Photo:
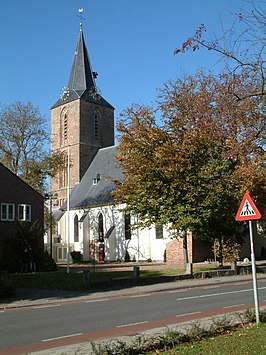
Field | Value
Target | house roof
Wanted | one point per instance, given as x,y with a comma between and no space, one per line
81,83
16,178
96,185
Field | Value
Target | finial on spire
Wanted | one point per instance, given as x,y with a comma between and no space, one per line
81,18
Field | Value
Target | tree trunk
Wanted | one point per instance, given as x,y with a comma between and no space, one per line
220,256
185,251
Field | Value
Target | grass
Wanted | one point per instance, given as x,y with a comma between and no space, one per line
247,340
58,280
221,336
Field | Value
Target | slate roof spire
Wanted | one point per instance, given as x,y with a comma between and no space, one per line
81,75
81,82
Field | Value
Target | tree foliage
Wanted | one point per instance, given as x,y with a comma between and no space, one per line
242,46
23,142
192,168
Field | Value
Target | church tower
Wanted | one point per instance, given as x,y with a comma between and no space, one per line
82,121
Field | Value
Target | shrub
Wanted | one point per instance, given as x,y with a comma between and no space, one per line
47,263
127,256
76,256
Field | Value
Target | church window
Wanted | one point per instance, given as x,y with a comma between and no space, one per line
127,226
65,126
63,178
96,125
100,227
159,231
76,229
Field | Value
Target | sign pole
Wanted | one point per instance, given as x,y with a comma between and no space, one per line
247,212
254,275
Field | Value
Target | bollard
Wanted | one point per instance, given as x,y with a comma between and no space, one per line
234,267
189,269
86,278
135,272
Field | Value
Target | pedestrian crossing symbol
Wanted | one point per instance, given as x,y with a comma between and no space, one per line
247,210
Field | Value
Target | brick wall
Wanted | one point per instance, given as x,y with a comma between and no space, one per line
174,251
81,138
198,251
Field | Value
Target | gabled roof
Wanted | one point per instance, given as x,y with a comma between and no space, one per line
14,182
81,83
96,185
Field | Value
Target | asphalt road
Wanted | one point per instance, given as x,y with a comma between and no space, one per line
45,323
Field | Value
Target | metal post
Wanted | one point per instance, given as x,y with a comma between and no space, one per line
51,227
254,276
68,216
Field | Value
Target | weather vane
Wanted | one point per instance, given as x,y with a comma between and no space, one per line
81,17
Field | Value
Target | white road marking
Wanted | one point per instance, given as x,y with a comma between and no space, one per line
100,300
213,294
47,306
145,295
131,324
62,337
187,314
235,305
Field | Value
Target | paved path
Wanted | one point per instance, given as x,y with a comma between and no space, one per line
29,297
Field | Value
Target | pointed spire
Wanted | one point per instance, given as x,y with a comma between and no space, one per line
81,82
81,76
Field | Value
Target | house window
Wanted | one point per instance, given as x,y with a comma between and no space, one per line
76,229
159,231
100,227
7,212
24,213
127,226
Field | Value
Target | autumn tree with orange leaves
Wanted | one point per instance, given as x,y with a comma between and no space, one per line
188,160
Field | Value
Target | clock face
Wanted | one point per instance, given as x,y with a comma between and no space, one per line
65,92
95,92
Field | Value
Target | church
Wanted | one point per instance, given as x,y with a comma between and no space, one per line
82,127
88,221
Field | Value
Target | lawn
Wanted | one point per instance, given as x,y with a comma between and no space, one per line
248,340
58,280
74,280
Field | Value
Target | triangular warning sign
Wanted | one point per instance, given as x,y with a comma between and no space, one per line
247,209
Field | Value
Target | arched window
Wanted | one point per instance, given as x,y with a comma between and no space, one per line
127,226
100,227
64,127
159,231
96,125
76,229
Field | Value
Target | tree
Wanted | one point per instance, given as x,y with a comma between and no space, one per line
192,169
242,46
23,141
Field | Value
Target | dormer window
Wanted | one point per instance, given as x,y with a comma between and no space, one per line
96,179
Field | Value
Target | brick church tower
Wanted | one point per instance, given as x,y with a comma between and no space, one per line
82,121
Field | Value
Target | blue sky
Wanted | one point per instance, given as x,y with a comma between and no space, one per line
130,43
